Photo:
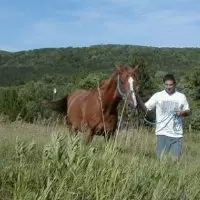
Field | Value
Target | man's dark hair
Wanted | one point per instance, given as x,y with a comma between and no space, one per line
169,77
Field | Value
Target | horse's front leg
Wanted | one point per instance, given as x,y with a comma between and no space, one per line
109,130
109,135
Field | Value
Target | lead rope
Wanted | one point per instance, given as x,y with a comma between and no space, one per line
100,98
170,117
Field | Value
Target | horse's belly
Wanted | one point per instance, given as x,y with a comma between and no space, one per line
108,125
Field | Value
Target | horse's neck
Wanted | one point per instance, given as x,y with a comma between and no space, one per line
109,95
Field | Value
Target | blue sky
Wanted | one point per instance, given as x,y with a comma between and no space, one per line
62,23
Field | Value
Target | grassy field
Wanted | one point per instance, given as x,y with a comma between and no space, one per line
44,162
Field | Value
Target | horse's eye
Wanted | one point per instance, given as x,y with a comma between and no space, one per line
127,76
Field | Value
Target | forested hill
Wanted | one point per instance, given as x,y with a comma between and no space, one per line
21,67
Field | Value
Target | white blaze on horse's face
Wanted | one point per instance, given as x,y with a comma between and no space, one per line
131,81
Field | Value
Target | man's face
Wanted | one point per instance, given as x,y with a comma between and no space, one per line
169,86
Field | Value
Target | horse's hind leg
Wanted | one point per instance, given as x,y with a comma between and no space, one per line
73,130
89,137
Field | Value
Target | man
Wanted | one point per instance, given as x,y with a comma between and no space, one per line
170,106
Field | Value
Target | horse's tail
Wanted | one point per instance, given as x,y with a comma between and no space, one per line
59,106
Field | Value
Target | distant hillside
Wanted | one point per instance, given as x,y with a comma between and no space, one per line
21,67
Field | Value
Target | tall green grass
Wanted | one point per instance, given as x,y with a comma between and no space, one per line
45,162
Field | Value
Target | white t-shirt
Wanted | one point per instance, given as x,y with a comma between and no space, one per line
166,105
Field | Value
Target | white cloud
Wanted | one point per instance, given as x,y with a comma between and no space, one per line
161,28
8,48
141,22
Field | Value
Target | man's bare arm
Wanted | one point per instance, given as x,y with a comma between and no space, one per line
183,113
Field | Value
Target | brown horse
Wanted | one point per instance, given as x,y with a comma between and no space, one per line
95,110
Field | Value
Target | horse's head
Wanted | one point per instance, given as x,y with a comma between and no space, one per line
127,83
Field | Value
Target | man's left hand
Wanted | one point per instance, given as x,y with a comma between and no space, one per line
182,113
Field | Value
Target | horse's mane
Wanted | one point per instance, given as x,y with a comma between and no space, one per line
104,85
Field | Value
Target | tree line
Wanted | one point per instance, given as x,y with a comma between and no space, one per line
28,77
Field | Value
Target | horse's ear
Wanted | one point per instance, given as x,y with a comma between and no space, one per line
117,68
136,68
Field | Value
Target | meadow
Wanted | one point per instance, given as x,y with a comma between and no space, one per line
43,161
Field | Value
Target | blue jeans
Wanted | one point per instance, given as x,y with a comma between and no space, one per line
169,145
